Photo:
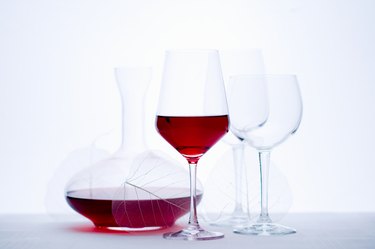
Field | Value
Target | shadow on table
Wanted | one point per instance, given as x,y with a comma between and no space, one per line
87,228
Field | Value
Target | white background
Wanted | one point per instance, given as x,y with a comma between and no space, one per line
58,93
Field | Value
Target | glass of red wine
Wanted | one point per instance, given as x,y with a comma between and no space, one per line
192,116
265,110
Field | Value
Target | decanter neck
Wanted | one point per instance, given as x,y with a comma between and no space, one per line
133,83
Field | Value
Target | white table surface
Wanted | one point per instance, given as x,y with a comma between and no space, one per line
321,231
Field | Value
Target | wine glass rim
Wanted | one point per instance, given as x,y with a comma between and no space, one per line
192,50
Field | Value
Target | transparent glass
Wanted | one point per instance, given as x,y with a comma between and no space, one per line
192,116
136,188
238,62
265,110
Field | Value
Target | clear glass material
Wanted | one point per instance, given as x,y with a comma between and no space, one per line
192,116
136,188
265,110
238,62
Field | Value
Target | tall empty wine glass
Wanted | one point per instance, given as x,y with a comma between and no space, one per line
236,62
265,110
192,116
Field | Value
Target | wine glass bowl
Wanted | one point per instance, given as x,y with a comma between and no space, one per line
265,110
248,105
192,136
274,109
192,116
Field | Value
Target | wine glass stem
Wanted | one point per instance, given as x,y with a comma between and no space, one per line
238,159
193,219
264,163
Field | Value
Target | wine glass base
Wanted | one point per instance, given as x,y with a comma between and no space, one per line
265,229
232,221
188,234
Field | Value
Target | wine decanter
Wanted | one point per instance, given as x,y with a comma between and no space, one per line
136,188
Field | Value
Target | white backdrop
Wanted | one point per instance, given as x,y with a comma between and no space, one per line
58,92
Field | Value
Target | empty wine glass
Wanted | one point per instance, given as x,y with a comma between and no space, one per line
265,110
236,62
192,116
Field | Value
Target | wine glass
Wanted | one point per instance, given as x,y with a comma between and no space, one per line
236,62
192,116
265,110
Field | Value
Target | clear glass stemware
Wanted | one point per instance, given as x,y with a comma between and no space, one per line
265,110
236,62
192,116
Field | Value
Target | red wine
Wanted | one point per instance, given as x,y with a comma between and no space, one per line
106,207
192,136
